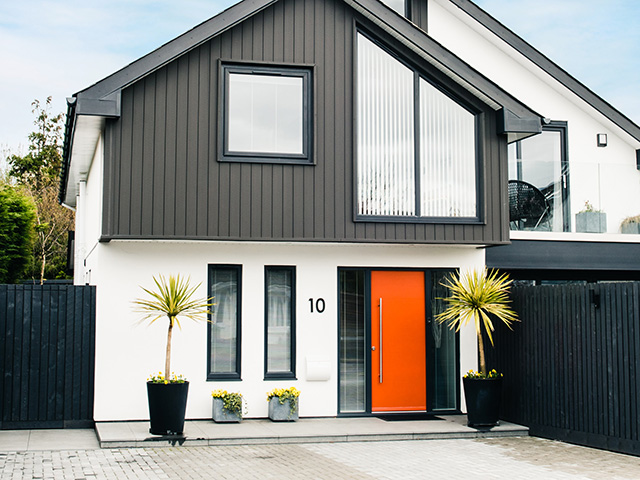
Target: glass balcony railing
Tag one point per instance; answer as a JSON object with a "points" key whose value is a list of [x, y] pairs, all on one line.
{"points": [[582, 197]]}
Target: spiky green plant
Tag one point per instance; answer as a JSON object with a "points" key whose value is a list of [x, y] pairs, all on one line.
{"points": [[478, 295], [173, 299]]}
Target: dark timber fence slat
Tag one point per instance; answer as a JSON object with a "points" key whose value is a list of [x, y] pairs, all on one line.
{"points": [[47, 344], [572, 365]]}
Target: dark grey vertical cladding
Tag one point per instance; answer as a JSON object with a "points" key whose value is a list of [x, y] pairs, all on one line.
{"points": [[419, 13], [163, 179]]}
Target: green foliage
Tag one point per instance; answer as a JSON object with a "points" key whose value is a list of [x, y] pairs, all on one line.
{"points": [[42, 165], [160, 378], [481, 376], [173, 299], [478, 296], [232, 402], [284, 394], [38, 174], [16, 234]]}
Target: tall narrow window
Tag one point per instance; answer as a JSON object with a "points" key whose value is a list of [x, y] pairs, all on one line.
{"points": [[442, 358], [224, 325], [353, 351], [280, 329], [538, 181], [416, 154]]}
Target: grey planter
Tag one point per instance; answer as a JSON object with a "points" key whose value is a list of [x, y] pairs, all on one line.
{"points": [[282, 412], [630, 228], [220, 415], [591, 222]]}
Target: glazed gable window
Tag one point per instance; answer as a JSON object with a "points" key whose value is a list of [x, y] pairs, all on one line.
{"points": [[416, 146], [266, 114]]}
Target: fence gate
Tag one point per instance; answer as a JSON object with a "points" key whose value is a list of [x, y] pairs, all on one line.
{"points": [[572, 365], [47, 344]]}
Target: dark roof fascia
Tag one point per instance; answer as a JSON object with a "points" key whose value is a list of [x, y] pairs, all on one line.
{"points": [[418, 40], [66, 147], [549, 67], [174, 49]]}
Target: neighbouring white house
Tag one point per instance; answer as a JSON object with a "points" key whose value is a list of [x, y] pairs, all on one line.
{"points": [[319, 166]]}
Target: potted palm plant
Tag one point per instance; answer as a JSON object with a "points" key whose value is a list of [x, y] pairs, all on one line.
{"points": [[167, 394], [480, 296]]}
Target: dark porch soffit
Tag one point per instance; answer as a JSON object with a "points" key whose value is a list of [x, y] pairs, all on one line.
{"points": [[559, 255], [539, 59]]}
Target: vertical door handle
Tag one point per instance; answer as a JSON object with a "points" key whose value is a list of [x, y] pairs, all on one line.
{"points": [[380, 352]]}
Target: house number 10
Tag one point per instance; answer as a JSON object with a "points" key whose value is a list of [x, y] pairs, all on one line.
{"points": [[319, 305]]}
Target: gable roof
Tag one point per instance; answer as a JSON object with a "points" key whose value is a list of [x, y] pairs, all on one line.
{"points": [[548, 66], [89, 107]]}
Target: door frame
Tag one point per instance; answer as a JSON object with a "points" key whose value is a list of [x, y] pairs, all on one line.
{"points": [[429, 341]]}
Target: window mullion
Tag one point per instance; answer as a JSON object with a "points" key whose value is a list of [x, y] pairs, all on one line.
{"points": [[416, 143]]}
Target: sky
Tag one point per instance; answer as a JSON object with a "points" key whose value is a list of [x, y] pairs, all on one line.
{"points": [[56, 48]]}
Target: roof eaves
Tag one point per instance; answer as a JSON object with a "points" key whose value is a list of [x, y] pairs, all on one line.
{"points": [[547, 65]]}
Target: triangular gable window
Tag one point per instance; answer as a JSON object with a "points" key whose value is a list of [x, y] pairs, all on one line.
{"points": [[416, 146]]}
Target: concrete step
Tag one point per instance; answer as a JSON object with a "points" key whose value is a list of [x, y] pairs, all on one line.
{"points": [[305, 430]]}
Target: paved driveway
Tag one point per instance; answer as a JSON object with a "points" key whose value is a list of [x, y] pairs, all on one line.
{"points": [[510, 458]]}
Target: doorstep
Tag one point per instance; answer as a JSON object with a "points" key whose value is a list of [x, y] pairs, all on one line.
{"points": [[305, 430]]}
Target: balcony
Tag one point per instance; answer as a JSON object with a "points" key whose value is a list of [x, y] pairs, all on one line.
{"points": [[577, 200]]}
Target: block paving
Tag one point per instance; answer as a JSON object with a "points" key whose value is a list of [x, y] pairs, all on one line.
{"points": [[508, 457]]}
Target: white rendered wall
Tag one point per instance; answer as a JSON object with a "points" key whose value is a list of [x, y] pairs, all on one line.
{"points": [[606, 177], [127, 352], [88, 217]]}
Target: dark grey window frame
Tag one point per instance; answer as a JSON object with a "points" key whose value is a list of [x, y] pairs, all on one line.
{"points": [[237, 375], [561, 127], [302, 71], [418, 74], [291, 374]]}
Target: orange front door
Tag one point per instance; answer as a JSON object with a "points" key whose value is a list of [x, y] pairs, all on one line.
{"points": [[398, 352]]}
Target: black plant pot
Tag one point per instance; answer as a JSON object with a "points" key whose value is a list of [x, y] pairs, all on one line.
{"points": [[483, 401], [167, 406]]}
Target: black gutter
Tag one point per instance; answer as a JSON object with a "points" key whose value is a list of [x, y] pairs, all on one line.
{"points": [[66, 147]]}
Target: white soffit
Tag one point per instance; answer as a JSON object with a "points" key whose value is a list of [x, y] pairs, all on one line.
{"points": [[85, 139]]}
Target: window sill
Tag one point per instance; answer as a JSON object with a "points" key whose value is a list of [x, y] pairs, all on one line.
{"points": [[430, 220]]}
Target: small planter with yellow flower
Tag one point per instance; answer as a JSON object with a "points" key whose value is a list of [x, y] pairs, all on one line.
{"points": [[227, 406], [283, 404]]}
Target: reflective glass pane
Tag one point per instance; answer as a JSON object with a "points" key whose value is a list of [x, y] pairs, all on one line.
{"points": [[385, 132], [444, 351], [224, 320], [279, 319], [397, 5], [447, 156], [537, 161], [352, 341], [265, 114]]}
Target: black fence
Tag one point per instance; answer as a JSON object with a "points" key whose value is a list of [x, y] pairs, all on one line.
{"points": [[47, 344], [572, 366]]}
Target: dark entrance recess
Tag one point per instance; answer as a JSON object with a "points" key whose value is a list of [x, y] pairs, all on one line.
{"points": [[47, 345]]}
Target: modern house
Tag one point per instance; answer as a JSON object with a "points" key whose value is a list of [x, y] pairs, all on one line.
{"points": [[320, 166]]}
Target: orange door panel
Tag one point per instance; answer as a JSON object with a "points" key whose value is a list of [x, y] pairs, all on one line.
{"points": [[398, 366]]}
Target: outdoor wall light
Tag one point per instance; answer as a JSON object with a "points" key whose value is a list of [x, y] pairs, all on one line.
{"points": [[602, 139]]}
